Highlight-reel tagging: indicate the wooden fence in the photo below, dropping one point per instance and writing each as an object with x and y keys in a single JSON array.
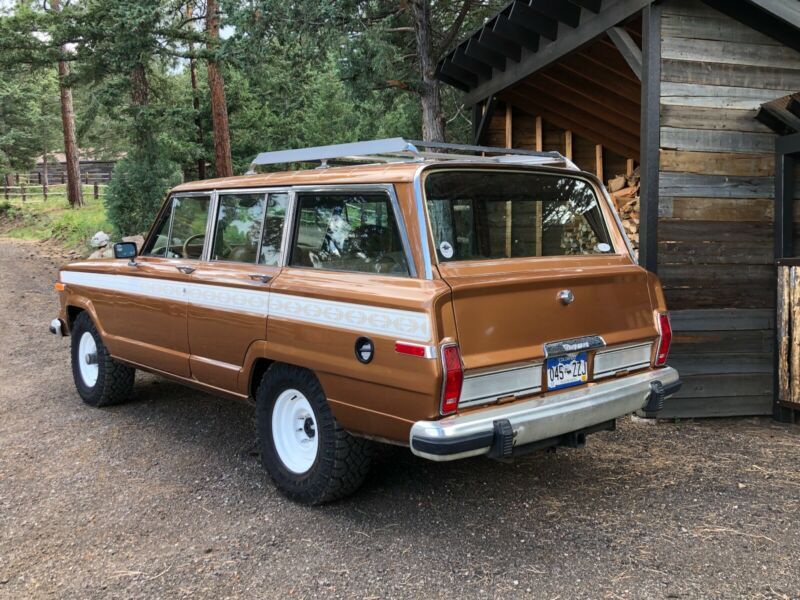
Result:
[
  {"x": 25, "y": 191},
  {"x": 788, "y": 327}
]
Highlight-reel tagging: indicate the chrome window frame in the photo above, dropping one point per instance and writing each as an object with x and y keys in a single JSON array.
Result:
[
  {"x": 388, "y": 189},
  {"x": 212, "y": 230},
  {"x": 171, "y": 203}
]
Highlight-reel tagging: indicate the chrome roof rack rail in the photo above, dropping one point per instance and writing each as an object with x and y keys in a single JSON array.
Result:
[{"x": 401, "y": 150}]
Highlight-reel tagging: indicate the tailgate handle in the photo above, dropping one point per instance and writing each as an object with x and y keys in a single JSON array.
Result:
[
  {"x": 186, "y": 270},
  {"x": 261, "y": 278}
]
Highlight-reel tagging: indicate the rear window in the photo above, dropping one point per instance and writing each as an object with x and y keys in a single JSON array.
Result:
[{"x": 479, "y": 215}]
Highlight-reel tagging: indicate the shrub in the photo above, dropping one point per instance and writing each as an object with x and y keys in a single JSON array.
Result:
[{"x": 136, "y": 191}]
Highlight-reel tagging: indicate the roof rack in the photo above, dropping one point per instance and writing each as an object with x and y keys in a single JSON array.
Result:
[{"x": 401, "y": 150}]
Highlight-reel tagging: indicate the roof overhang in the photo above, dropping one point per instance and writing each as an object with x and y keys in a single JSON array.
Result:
[
  {"x": 528, "y": 35},
  {"x": 781, "y": 115}
]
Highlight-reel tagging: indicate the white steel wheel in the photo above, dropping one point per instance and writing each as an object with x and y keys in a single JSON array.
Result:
[
  {"x": 294, "y": 431},
  {"x": 88, "y": 365}
]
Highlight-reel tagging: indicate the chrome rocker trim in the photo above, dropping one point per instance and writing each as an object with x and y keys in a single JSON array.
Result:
[{"x": 474, "y": 433}]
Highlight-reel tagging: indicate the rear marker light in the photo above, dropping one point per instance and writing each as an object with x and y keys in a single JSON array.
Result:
[
  {"x": 453, "y": 379},
  {"x": 412, "y": 349},
  {"x": 59, "y": 286},
  {"x": 665, "y": 341}
]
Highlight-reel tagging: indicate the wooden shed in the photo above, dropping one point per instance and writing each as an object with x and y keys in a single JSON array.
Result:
[{"x": 670, "y": 89}]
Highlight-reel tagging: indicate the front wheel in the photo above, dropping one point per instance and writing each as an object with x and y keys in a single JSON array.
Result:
[
  {"x": 100, "y": 380},
  {"x": 307, "y": 454}
]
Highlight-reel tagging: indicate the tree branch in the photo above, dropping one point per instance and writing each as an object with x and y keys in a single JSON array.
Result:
[{"x": 452, "y": 33}]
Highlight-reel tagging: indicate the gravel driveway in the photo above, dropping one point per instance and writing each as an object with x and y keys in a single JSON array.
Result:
[{"x": 165, "y": 497}]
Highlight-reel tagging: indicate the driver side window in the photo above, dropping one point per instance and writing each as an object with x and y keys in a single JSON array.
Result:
[{"x": 182, "y": 230}]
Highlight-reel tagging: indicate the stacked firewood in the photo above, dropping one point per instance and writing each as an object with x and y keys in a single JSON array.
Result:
[{"x": 624, "y": 190}]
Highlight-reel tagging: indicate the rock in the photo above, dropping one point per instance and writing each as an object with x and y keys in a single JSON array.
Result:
[
  {"x": 100, "y": 240},
  {"x": 102, "y": 253},
  {"x": 136, "y": 239}
]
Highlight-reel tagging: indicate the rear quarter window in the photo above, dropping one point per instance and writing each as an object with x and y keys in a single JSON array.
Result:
[
  {"x": 348, "y": 232},
  {"x": 480, "y": 215}
]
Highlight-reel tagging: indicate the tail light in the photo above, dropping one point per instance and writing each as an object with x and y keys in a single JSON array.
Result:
[
  {"x": 665, "y": 339},
  {"x": 453, "y": 378}
]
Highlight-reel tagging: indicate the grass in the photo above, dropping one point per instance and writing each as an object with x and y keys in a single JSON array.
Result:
[{"x": 39, "y": 220}]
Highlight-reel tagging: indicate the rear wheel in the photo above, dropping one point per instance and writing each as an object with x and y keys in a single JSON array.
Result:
[
  {"x": 307, "y": 454},
  {"x": 100, "y": 380}
]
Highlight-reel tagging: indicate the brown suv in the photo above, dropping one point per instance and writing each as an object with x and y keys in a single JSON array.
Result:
[{"x": 478, "y": 303}]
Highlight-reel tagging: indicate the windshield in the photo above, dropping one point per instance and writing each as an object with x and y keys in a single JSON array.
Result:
[{"x": 478, "y": 215}]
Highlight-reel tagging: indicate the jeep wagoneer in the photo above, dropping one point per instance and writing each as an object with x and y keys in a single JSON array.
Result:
[{"x": 461, "y": 301}]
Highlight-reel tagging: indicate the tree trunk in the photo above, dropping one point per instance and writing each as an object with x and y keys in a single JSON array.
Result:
[
  {"x": 219, "y": 108},
  {"x": 73, "y": 167},
  {"x": 432, "y": 117},
  {"x": 198, "y": 120}
]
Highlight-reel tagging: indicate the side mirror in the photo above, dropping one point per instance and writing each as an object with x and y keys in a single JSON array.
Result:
[{"x": 125, "y": 250}]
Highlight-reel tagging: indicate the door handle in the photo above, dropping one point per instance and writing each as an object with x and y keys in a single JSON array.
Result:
[
  {"x": 186, "y": 270},
  {"x": 261, "y": 278}
]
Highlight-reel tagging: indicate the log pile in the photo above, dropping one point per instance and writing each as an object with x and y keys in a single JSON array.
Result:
[{"x": 624, "y": 190}]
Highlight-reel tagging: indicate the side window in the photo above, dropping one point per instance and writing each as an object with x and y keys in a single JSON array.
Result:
[
  {"x": 239, "y": 222},
  {"x": 348, "y": 232},
  {"x": 181, "y": 231},
  {"x": 158, "y": 243},
  {"x": 273, "y": 229},
  {"x": 188, "y": 231}
]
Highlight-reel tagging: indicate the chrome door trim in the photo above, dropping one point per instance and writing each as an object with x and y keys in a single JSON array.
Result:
[
  {"x": 288, "y": 226},
  {"x": 422, "y": 223}
]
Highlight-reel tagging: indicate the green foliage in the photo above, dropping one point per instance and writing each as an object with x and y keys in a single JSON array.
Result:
[
  {"x": 29, "y": 115},
  {"x": 137, "y": 189},
  {"x": 37, "y": 220}
]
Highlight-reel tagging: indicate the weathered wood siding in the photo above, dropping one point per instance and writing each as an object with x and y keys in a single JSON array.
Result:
[{"x": 716, "y": 188}]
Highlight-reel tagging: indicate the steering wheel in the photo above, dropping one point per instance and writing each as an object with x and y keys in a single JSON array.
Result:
[{"x": 189, "y": 240}]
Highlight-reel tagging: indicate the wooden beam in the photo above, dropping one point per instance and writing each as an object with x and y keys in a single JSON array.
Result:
[
  {"x": 587, "y": 72},
  {"x": 516, "y": 33},
  {"x": 568, "y": 143},
  {"x": 593, "y": 26},
  {"x": 628, "y": 48},
  {"x": 476, "y": 67},
  {"x": 561, "y": 11},
  {"x": 598, "y": 161},
  {"x": 486, "y": 118},
  {"x": 484, "y": 54},
  {"x": 539, "y": 134},
  {"x": 585, "y": 126},
  {"x": 498, "y": 43},
  {"x": 451, "y": 71},
  {"x": 573, "y": 104},
  {"x": 509, "y": 126},
  {"x": 592, "y": 5},
  {"x": 606, "y": 52},
  {"x": 522, "y": 15},
  {"x": 628, "y": 110},
  {"x": 650, "y": 138}
]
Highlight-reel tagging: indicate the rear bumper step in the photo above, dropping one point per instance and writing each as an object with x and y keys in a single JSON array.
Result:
[{"x": 502, "y": 431}]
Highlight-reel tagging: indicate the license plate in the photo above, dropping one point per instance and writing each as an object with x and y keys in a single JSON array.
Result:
[{"x": 566, "y": 371}]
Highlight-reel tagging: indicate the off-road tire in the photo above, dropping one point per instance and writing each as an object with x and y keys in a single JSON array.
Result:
[
  {"x": 114, "y": 379},
  {"x": 342, "y": 461}
]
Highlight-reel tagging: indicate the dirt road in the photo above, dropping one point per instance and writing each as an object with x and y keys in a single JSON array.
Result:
[{"x": 165, "y": 497}]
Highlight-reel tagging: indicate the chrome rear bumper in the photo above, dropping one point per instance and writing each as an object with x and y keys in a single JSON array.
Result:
[{"x": 475, "y": 433}]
